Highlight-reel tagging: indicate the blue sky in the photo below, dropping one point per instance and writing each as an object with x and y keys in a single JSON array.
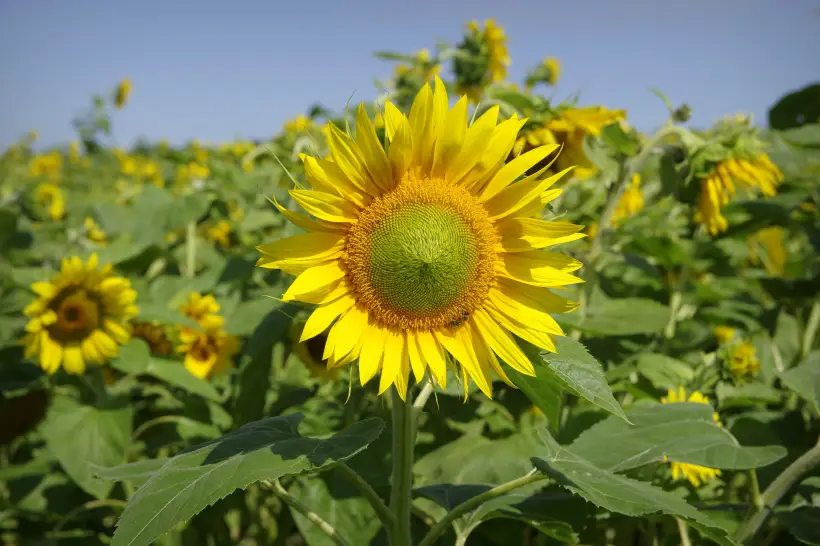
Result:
[{"x": 216, "y": 70}]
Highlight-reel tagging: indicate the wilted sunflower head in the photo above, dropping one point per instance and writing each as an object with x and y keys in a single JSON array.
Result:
[
  {"x": 81, "y": 316},
  {"x": 483, "y": 58},
  {"x": 427, "y": 250}
]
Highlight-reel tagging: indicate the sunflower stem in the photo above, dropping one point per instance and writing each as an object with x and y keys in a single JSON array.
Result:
[
  {"x": 404, "y": 439},
  {"x": 811, "y": 328},
  {"x": 190, "y": 250},
  {"x": 617, "y": 189},
  {"x": 777, "y": 489},
  {"x": 303, "y": 509}
]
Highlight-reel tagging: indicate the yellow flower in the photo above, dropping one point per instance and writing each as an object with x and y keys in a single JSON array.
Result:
[
  {"x": 631, "y": 201},
  {"x": 427, "y": 254},
  {"x": 122, "y": 93},
  {"x": 774, "y": 251},
  {"x": 497, "y": 43},
  {"x": 572, "y": 126},
  {"x": 553, "y": 65},
  {"x": 207, "y": 350},
  {"x": 155, "y": 335},
  {"x": 743, "y": 360},
  {"x": 298, "y": 124},
  {"x": 192, "y": 171},
  {"x": 94, "y": 232},
  {"x": 48, "y": 165},
  {"x": 235, "y": 212},
  {"x": 484, "y": 58},
  {"x": 51, "y": 196},
  {"x": 311, "y": 352},
  {"x": 695, "y": 474},
  {"x": 219, "y": 233},
  {"x": 207, "y": 354},
  {"x": 81, "y": 316},
  {"x": 203, "y": 309},
  {"x": 724, "y": 334},
  {"x": 722, "y": 182},
  {"x": 74, "y": 151}
]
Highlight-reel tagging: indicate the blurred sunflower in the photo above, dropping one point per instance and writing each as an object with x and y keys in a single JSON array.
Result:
[
  {"x": 631, "y": 201},
  {"x": 80, "y": 317},
  {"x": 94, "y": 232},
  {"x": 742, "y": 359},
  {"x": 773, "y": 256},
  {"x": 483, "y": 58},
  {"x": 219, "y": 233},
  {"x": 724, "y": 334},
  {"x": 204, "y": 310},
  {"x": 722, "y": 181},
  {"x": 207, "y": 349},
  {"x": 695, "y": 474},
  {"x": 548, "y": 72},
  {"x": 155, "y": 335},
  {"x": 122, "y": 93},
  {"x": 312, "y": 352},
  {"x": 51, "y": 196},
  {"x": 427, "y": 248},
  {"x": 298, "y": 124}
]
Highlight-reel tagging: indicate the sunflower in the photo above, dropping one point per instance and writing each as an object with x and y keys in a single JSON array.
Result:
[
  {"x": 81, "y": 316},
  {"x": 298, "y": 124},
  {"x": 310, "y": 352},
  {"x": 207, "y": 353},
  {"x": 696, "y": 475},
  {"x": 483, "y": 60},
  {"x": 724, "y": 334},
  {"x": 51, "y": 196},
  {"x": 631, "y": 201},
  {"x": 122, "y": 93},
  {"x": 94, "y": 232},
  {"x": 722, "y": 181},
  {"x": 743, "y": 360},
  {"x": 428, "y": 249},
  {"x": 774, "y": 251},
  {"x": 219, "y": 233},
  {"x": 155, "y": 335},
  {"x": 204, "y": 310}
]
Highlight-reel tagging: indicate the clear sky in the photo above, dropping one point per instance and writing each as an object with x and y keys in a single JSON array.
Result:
[{"x": 219, "y": 69}]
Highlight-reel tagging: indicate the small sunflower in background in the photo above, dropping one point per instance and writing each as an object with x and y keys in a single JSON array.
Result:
[
  {"x": 208, "y": 350},
  {"x": 312, "y": 352},
  {"x": 80, "y": 317},
  {"x": 94, "y": 232},
  {"x": 741, "y": 359},
  {"x": 631, "y": 201},
  {"x": 724, "y": 334},
  {"x": 155, "y": 335},
  {"x": 767, "y": 246},
  {"x": 483, "y": 58},
  {"x": 695, "y": 474},
  {"x": 299, "y": 124},
  {"x": 219, "y": 232},
  {"x": 432, "y": 247},
  {"x": 122, "y": 93},
  {"x": 548, "y": 72},
  {"x": 51, "y": 196}
]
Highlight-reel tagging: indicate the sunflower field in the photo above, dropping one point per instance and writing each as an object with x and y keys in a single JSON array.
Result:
[{"x": 462, "y": 314}]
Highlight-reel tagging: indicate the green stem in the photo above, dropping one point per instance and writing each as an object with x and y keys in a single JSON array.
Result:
[
  {"x": 754, "y": 486},
  {"x": 473, "y": 503},
  {"x": 385, "y": 515},
  {"x": 777, "y": 489},
  {"x": 683, "y": 531},
  {"x": 404, "y": 439},
  {"x": 620, "y": 185},
  {"x": 674, "y": 307},
  {"x": 311, "y": 516},
  {"x": 190, "y": 248},
  {"x": 811, "y": 328}
]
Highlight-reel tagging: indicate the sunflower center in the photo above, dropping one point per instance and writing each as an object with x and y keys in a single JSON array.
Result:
[
  {"x": 77, "y": 316},
  {"x": 422, "y": 255}
]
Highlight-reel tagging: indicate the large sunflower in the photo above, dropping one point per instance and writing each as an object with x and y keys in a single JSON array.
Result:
[
  {"x": 428, "y": 246},
  {"x": 81, "y": 316}
]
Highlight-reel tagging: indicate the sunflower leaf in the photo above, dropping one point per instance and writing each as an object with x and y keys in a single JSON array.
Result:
[
  {"x": 200, "y": 476},
  {"x": 577, "y": 371},
  {"x": 683, "y": 432},
  {"x": 618, "y": 493},
  {"x": 804, "y": 379}
]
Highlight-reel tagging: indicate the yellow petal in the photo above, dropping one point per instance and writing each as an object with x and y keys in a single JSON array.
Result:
[
  {"x": 523, "y": 234},
  {"x": 546, "y": 299},
  {"x": 119, "y": 332},
  {"x": 537, "y": 338},
  {"x": 485, "y": 354},
  {"x": 450, "y": 137},
  {"x": 476, "y": 141},
  {"x": 325, "y": 206},
  {"x": 326, "y": 177},
  {"x": 400, "y": 153},
  {"x": 433, "y": 354},
  {"x": 327, "y": 293},
  {"x": 392, "y": 119},
  {"x": 301, "y": 252},
  {"x": 375, "y": 160},
  {"x": 105, "y": 344},
  {"x": 501, "y": 342},
  {"x": 537, "y": 272},
  {"x": 351, "y": 327},
  {"x": 321, "y": 319},
  {"x": 303, "y": 222},
  {"x": 51, "y": 354},
  {"x": 394, "y": 350},
  {"x": 73, "y": 361},
  {"x": 459, "y": 344},
  {"x": 495, "y": 155},
  {"x": 44, "y": 289},
  {"x": 313, "y": 280},
  {"x": 372, "y": 349},
  {"x": 414, "y": 352},
  {"x": 514, "y": 169},
  {"x": 348, "y": 157},
  {"x": 421, "y": 125},
  {"x": 517, "y": 196}
]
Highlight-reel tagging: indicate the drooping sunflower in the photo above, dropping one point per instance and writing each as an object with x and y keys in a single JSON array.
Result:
[
  {"x": 310, "y": 352},
  {"x": 483, "y": 60},
  {"x": 695, "y": 474},
  {"x": 427, "y": 250},
  {"x": 722, "y": 182},
  {"x": 80, "y": 317}
]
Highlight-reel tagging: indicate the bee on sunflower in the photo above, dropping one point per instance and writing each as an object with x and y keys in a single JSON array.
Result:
[{"x": 427, "y": 251}]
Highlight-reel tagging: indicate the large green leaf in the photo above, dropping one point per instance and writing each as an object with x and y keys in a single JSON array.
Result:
[
  {"x": 78, "y": 435},
  {"x": 804, "y": 524},
  {"x": 620, "y": 317},
  {"x": 352, "y": 517},
  {"x": 135, "y": 358},
  {"x": 137, "y": 473},
  {"x": 618, "y": 493},
  {"x": 198, "y": 477},
  {"x": 664, "y": 372},
  {"x": 804, "y": 379},
  {"x": 575, "y": 370},
  {"x": 683, "y": 432},
  {"x": 543, "y": 390}
]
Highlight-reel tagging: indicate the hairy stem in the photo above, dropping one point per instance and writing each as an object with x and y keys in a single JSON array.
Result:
[{"x": 404, "y": 439}]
